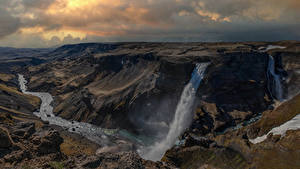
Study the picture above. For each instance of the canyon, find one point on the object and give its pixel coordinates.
(181, 105)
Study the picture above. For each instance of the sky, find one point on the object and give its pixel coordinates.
(50, 23)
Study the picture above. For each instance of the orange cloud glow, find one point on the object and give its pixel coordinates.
(142, 19)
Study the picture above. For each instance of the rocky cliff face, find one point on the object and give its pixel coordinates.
(105, 85)
(234, 90)
(233, 149)
(136, 86)
(12, 100)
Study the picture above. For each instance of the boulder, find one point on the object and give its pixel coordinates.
(23, 131)
(123, 160)
(17, 156)
(49, 143)
(5, 141)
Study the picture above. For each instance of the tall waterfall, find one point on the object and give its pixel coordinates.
(274, 85)
(182, 116)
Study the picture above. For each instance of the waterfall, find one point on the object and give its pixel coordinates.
(182, 116)
(275, 87)
(274, 82)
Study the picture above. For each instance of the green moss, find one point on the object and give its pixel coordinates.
(26, 167)
(56, 165)
(195, 157)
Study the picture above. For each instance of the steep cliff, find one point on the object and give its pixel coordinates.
(137, 86)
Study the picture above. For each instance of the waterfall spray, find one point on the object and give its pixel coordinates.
(182, 116)
(276, 88)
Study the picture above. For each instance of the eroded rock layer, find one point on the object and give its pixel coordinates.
(136, 87)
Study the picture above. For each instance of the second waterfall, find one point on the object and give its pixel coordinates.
(182, 117)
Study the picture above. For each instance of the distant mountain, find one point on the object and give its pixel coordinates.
(79, 50)
(12, 53)
(14, 58)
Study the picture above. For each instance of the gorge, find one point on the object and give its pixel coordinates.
(100, 136)
(182, 117)
(159, 105)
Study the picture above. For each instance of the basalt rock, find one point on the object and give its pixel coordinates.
(5, 141)
(17, 156)
(123, 160)
(13, 101)
(137, 86)
(39, 146)
(49, 143)
(198, 157)
(23, 131)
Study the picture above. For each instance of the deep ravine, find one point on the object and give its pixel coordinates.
(182, 116)
(103, 137)
(276, 91)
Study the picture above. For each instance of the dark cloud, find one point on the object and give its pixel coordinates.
(227, 7)
(8, 23)
(39, 4)
(149, 20)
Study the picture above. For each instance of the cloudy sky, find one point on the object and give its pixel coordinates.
(48, 23)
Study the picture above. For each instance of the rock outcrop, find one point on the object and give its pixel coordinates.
(121, 160)
(42, 149)
(22, 144)
(5, 140)
(136, 86)
(235, 150)
(48, 143)
(12, 100)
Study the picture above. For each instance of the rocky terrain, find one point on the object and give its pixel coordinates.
(136, 87)
(14, 58)
(25, 145)
(233, 149)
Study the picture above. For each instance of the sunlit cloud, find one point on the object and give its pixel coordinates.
(68, 21)
(48, 35)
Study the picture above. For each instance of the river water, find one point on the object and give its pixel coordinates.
(101, 136)
(109, 137)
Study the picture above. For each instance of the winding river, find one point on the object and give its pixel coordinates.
(103, 137)
(110, 137)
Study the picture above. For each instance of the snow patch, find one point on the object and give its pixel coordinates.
(293, 124)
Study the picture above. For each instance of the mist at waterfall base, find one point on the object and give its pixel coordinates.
(152, 116)
(182, 118)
